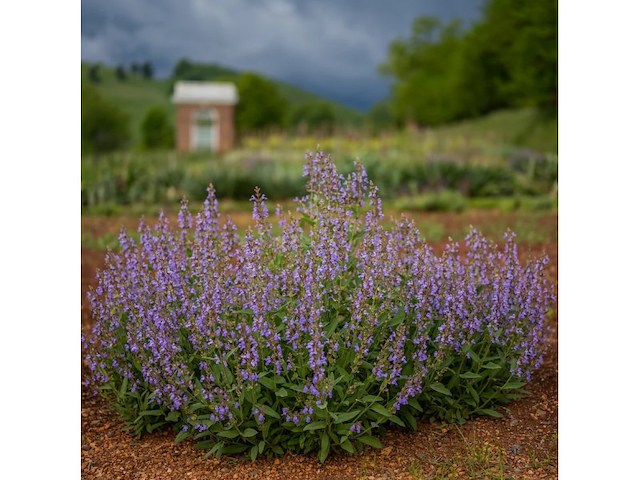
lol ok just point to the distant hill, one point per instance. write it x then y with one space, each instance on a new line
136 94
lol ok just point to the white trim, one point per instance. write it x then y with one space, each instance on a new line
221 93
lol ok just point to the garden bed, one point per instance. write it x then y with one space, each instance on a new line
523 444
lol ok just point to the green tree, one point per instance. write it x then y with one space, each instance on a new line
121 74
380 117
507 59
531 53
313 115
104 127
157 131
94 73
261 104
423 67
147 70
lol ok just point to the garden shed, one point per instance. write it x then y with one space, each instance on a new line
204 115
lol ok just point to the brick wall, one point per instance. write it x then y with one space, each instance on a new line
184 118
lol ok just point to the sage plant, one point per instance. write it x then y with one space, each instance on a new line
317 338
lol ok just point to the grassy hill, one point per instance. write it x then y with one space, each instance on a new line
135 95
526 127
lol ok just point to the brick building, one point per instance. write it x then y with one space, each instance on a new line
204 116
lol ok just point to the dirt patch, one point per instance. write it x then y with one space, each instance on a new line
522 445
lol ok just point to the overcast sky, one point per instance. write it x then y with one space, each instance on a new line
330 47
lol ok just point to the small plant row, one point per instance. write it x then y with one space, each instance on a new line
317 339
160 178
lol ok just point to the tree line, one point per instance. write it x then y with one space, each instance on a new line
508 59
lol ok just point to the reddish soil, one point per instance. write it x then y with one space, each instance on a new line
522 445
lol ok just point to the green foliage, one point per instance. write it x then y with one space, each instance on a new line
380 117
316 116
443 201
526 34
121 74
424 66
134 97
187 70
147 70
261 105
94 73
105 128
157 131
508 59
513 179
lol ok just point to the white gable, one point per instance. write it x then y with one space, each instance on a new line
205 92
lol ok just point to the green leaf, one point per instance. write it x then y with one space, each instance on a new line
346 416
150 412
489 411
347 445
491 366
371 398
369 440
254 453
398 319
324 448
474 394
513 385
314 426
228 434
415 404
470 375
474 356
397 420
181 437
172 416
215 449
440 388
249 432
410 419
204 445
281 392
269 411
123 387
332 326
379 409
270 383
261 446
231 449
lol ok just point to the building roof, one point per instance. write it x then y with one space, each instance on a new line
205 92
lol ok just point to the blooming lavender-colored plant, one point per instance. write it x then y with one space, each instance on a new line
314 339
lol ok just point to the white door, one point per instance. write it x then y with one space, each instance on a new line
205 130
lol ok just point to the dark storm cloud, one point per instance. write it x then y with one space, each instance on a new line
331 47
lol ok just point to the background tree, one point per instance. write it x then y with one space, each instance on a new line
380 117
147 70
94 73
261 104
507 59
314 115
104 127
157 131
121 74
423 67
